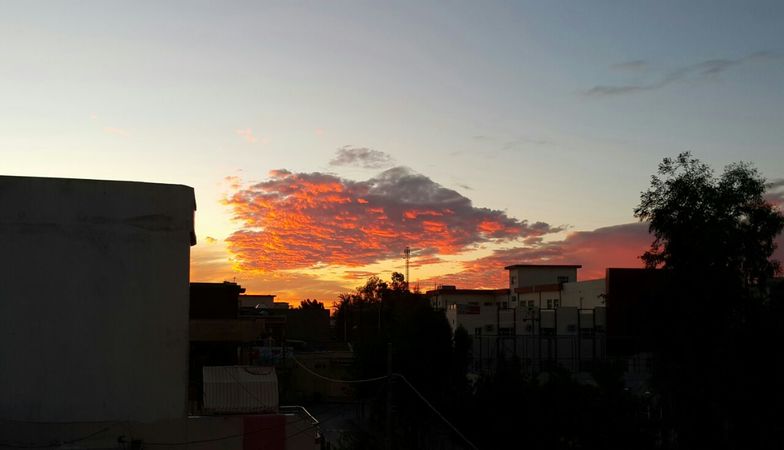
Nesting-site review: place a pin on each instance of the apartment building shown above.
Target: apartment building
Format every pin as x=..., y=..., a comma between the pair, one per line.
x=545, y=317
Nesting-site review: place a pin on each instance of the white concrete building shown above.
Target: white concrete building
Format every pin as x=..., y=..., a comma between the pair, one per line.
x=545, y=313
x=94, y=305
x=476, y=310
x=94, y=310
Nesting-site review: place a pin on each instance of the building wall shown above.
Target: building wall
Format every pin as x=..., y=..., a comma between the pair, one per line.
x=584, y=294
x=540, y=299
x=251, y=300
x=524, y=276
x=472, y=309
x=634, y=298
x=94, y=289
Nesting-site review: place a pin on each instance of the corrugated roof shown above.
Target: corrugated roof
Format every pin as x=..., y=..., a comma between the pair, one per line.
x=240, y=389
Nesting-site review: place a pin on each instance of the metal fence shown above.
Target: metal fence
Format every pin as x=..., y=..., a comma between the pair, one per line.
x=538, y=352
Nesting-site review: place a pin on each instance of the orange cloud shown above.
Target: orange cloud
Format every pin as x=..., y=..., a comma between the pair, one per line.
x=614, y=246
x=299, y=220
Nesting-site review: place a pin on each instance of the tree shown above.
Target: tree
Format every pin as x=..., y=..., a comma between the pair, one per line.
x=713, y=236
x=703, y=223
x=311, y=304
x=381, y=313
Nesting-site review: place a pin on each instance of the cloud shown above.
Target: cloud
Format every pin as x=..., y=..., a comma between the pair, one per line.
x=361, y=157
x=701, y=71
x=292, y=287
x=116, y=131
x=424, y=261
x=775, y=193
x=523, y=141
x=633, y=65
x=358, y=275
x=613, y=246
x=234, y=182
x=775, y=196
x=300, y=220
x=247, y=134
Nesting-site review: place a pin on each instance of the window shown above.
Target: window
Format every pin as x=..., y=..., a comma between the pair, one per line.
x=571, y=328
x=504, y=331
x=555, y=303
x=549, y=303
x=586, y=332
x=514, y=298
x=531, y=304
x=478, y=331
x=512, y=280
x=489, y=328
x=563, y=280
x=505, y=305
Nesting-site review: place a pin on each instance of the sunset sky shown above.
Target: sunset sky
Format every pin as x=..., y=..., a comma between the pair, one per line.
x=322, y=138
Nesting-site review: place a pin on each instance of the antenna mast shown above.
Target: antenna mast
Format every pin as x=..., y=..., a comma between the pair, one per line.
x=407, y=254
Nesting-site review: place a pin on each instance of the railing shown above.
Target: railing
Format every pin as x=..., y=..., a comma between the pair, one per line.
x=538, y=352
x=298, y=410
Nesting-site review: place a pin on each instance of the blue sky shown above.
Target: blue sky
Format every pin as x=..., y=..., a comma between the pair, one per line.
x=548, y=111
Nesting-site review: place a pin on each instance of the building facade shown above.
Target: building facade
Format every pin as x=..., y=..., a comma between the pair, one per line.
x=546, y=317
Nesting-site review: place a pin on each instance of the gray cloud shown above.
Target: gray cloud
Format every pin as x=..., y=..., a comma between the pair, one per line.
x=703, y=70
x=775, y=193
x=361, y=157
x=634, y=65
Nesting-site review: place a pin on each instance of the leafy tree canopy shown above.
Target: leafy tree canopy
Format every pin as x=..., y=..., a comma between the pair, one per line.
x=311, y=304
x=702, y=222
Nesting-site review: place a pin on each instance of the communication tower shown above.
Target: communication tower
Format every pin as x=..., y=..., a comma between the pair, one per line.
x=407, y=255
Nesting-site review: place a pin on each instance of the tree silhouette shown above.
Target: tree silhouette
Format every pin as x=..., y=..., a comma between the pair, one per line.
x=311, y=304
x=714, y=237
x=703, y=223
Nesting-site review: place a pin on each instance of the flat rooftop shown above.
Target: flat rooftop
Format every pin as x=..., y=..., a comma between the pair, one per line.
x=545, y=266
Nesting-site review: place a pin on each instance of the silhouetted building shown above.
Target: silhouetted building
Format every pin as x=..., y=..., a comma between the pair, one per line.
x=215, y=300
x=259, y=301
x=632, y=307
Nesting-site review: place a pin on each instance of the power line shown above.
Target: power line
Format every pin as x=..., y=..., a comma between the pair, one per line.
x=422, y=397
x=408, y=383
x=334, y=380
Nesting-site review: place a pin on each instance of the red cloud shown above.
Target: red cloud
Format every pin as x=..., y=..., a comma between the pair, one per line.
x=615, y=246
x=298, y=220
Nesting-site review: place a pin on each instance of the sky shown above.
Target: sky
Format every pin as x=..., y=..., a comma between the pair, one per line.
x=322, y=138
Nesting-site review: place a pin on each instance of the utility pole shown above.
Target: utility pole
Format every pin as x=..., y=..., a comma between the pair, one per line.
x=389, y=397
